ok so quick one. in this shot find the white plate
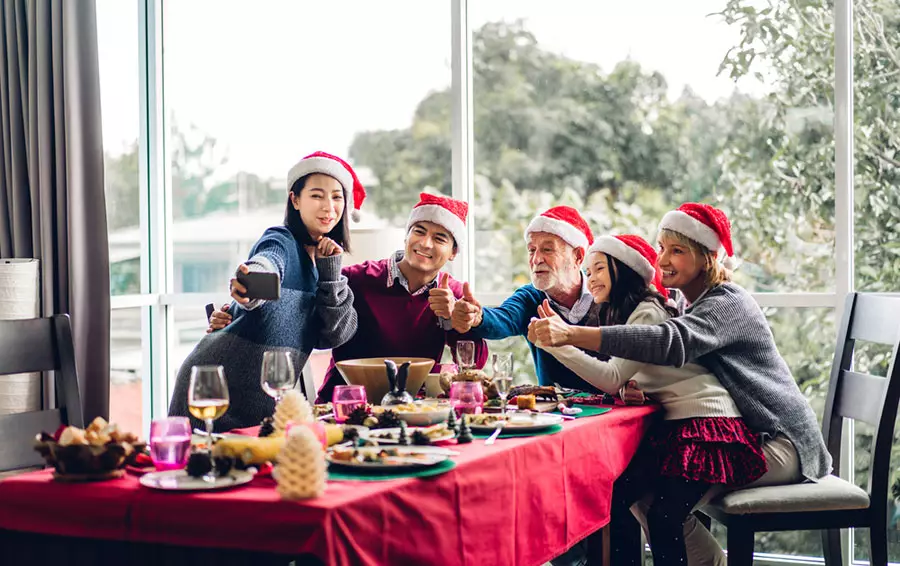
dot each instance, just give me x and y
(530, 422)
(373, 434)
(431, 458)
(179, 480)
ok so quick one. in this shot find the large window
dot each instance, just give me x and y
(624, 110)
(117, 22)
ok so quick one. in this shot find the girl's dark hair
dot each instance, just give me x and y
(628, 290)
(340, 233)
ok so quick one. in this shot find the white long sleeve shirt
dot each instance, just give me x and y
(685, 392)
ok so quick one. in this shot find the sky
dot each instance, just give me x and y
(277, 79)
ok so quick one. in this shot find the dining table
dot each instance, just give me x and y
(518, 501)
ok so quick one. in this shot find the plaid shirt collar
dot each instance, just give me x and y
(581, 307)
(395, 275)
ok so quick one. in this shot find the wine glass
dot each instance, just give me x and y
(465, 354)
(346, 399)
(466, 397)
(208, 400)
(277, 376)
(502, 365)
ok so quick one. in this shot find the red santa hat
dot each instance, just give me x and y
(634, 252)
(705, 224)
(333, 166)
(565, 222)
(444, 211)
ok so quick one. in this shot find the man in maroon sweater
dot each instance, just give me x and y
(403, 303)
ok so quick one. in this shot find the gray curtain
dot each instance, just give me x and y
(52, 203)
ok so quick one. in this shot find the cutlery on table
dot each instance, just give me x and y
(493, 437)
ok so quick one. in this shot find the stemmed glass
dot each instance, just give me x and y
(502, 365)
(465, 354)
(207, 401)
(277, 376)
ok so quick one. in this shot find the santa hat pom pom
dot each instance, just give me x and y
(354, 215)
(731, 263)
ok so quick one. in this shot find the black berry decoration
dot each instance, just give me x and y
(199, 464)
(419, 438)
(267, 427)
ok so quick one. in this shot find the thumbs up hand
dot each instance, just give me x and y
(466, 312)
(441, 299)
(549, 329)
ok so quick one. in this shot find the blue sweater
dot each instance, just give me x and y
(315, 311)
(512, 318)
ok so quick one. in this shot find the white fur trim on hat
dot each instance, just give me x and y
(441, 216)
(325, 166)
(624, 253)
(572, 235)
(685, 224)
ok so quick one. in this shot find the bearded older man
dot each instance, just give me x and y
(557, 240)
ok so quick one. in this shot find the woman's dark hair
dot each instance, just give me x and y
(340, 233)
(628, 290)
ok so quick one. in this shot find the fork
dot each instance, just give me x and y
(493, 437)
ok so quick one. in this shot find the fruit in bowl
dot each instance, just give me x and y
(100, 451)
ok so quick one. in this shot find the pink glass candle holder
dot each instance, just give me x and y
(170, 442)
(467, 397)
(346, 399)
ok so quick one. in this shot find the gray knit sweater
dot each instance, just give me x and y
(726, 332)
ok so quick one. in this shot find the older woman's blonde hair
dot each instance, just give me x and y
(716, 274)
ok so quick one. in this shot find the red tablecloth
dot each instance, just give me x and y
(520, 501)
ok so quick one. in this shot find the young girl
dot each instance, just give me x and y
(702, 442)
(316, 306)
(724, 330)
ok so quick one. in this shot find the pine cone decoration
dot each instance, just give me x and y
(388, 419)
(358, 416)
(267, 427)
(301, 466)
(293, 407)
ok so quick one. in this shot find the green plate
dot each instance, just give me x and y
(368, 474)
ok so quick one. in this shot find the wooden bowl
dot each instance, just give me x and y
(371, 374)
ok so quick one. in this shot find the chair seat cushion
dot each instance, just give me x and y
(828, 494)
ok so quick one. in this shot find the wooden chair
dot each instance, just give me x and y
(38, 344)
(832, 503)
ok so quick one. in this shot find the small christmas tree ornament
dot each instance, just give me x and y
(465, 433)
(451, 422)
(293, 407)
(403, 436)
(301, 466)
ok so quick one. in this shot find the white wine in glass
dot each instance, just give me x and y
(208, 400)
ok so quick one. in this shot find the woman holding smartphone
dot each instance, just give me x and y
(315, 308)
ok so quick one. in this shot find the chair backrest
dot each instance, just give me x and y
(32, 345)
(860, 396)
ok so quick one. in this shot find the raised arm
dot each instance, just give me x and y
(334, 303)
(510, 318)
(716, 321)
(267, 256)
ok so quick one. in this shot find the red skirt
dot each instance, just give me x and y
(715, 450)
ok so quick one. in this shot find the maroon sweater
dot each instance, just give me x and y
(392, 323)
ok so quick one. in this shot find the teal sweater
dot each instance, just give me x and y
(315, 311)
(512, 318)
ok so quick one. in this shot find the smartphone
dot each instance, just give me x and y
(261, 285)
